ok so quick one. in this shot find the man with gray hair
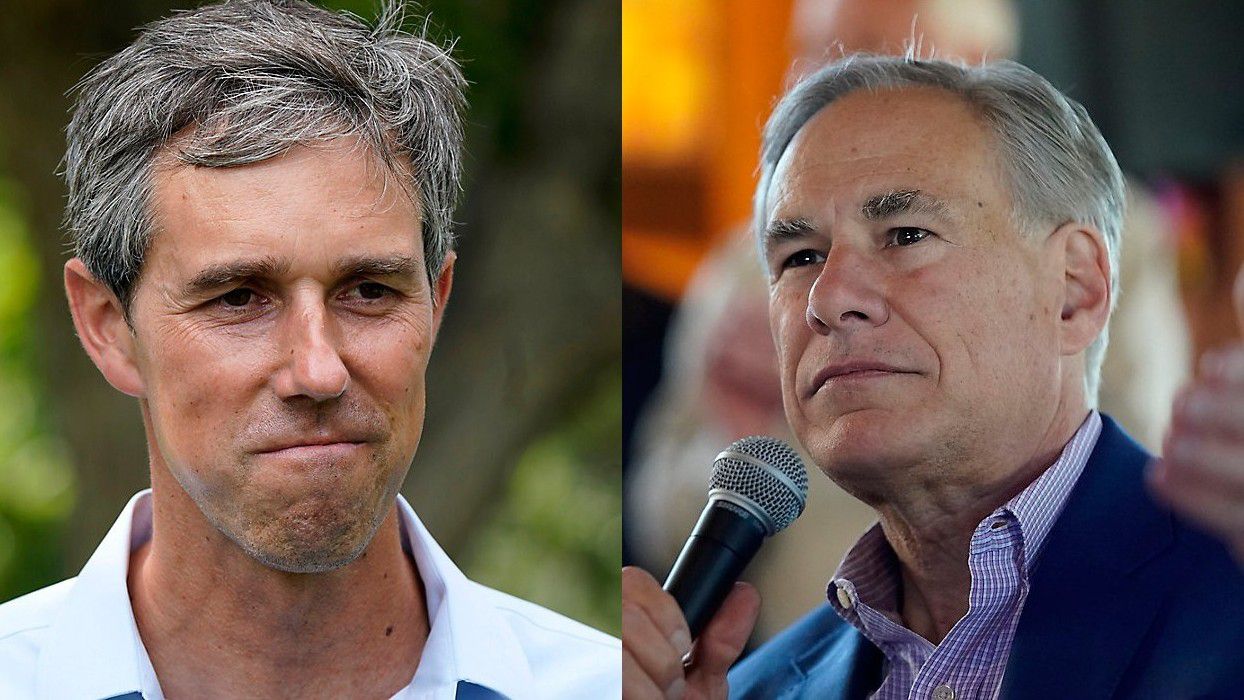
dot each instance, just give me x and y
(260, 195)
(942, 249)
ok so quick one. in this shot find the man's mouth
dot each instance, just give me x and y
(852, 371)
(315, 451)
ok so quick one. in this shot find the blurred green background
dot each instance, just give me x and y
(519, 472)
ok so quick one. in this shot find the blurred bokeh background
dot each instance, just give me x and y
(518, 474)
(1163, 79)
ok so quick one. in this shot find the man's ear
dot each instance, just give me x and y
(440, 292)
(1086, 285)
(102, 328)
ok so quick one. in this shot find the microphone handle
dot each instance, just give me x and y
(724, 540)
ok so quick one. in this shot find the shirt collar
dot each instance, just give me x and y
(869, 572)
(1039, 505)
(484, 648)
(94, 650)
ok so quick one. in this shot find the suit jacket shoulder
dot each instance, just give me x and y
(1136, 601)
(1126, 601)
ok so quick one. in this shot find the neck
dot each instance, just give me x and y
(931, 529)
(217, 623)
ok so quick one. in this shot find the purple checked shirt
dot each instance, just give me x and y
(970, 661)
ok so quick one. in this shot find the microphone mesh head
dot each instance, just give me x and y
(766, 472)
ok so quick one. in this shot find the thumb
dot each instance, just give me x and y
(723, 640)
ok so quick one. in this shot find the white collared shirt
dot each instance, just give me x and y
(77, 640)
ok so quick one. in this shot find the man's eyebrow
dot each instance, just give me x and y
(376, 266)
(223, 274)
(888, 204)
(780, 230)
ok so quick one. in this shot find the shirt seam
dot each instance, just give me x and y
(554, 630)
(23, 630)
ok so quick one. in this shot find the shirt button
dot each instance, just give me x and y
(844, 598)
(998, 525)
(943, 692)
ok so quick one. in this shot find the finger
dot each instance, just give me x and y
(636, 684)
(723, 639)
(641, 589)
(1224, 366)
(1204, 505)
(648, 648)
(1209, 409)
(1206, 461)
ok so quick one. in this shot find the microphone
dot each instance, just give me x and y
(758, 487)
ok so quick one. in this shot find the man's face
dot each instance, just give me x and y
(282, 327)
(914, 324)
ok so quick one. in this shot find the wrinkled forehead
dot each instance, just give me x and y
(868, 143)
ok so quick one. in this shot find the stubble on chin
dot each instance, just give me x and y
(318, 531)
(309, 517)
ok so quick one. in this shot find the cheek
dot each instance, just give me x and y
(391, 367)
(988, 331)
(791, 337)
(785, 323)
(196, 389)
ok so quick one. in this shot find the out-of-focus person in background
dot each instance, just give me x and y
(260, 197)
(719, 382)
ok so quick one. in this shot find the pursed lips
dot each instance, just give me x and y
(314, 445)
(853, 370)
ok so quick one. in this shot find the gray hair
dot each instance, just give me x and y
(243, 81)
(1059, 166)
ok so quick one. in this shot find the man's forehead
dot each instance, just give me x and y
(866, 194)
(869, 144)
(291, 205)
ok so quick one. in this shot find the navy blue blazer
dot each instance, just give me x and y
(1125, 601)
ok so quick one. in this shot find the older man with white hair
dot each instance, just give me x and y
(942, 248)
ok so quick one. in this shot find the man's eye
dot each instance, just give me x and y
(907, 235)
(372, 291)
(807, 256)
(238, 298)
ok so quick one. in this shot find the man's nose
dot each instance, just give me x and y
(313, 365)
(847, 294)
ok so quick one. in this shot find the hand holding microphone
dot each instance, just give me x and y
(758, 487)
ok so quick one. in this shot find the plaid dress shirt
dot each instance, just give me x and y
(970, 661)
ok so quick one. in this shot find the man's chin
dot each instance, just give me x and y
(305, 561)
(859, 442)
(858, 428)
(309, 539)
(306, 555)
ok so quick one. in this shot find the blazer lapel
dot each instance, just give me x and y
(1088, 606)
